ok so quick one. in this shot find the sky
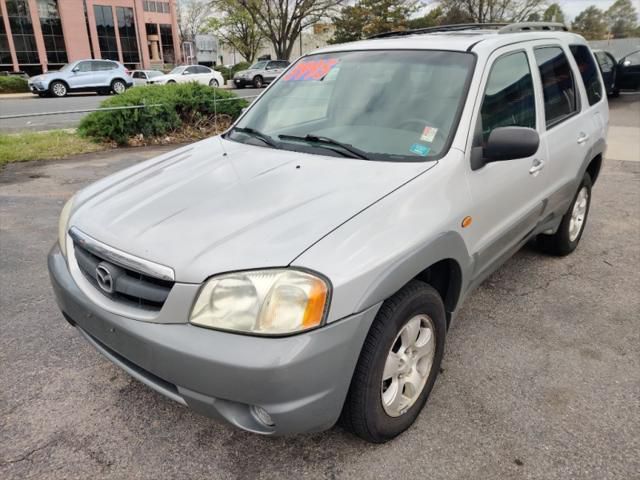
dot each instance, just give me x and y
(571, 8)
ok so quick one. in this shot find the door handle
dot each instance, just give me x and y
(536, 167)
(582, 138)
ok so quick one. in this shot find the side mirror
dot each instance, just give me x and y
(506, 143)
(186, 72)
(75, 69)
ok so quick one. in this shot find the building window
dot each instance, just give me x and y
(5, 53)
(166, 38)
(106, 32)
(52, 31)
(24, 40)
(160, 7)
(128, 38)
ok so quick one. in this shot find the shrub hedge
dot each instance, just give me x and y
(180, 106)
(13, 84)
(228, 73)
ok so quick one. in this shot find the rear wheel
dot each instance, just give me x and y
(213, 83)
(258, 81)
(398, 364)
(118, 87)
(568, 235)
(58, 89)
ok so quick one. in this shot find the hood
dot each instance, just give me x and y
(43, 76)
(218, 206)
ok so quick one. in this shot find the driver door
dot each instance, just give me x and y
(81, 75)
(189, 75)
(508, 196)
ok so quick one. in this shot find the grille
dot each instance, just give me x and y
(128, 286)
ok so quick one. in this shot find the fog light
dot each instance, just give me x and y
(262, 415)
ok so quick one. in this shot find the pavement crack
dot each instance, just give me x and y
(27, 456)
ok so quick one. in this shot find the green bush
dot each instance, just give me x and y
(228, 73)
(13, 84)
(179, 106)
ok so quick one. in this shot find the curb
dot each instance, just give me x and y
(10, 96)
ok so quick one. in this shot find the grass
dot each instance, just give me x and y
(51, 145)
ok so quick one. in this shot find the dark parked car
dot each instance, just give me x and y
(623, 74)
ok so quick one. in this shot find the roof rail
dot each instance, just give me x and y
(441, 28)
(500, 27)
(533, 26)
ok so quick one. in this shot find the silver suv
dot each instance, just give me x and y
(260, 73)
(101, 76)
(305, 265)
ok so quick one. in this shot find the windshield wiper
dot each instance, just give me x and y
(257, 134)
(355, 152)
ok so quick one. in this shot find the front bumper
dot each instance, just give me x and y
(241, 82)
(301, 380)
(38, 87)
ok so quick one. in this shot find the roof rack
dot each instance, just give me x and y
(441, 28)
(500, 27)
(533, 26)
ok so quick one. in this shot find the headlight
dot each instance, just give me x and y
(63, 225)
(263, 302)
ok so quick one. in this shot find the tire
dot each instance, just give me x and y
(58, 89)
(366, 411)
(568, 235)
(258, 82)
(171, 82)
(118, 87)
(214, 83)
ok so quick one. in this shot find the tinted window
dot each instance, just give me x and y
(202, 70)
(190, 70)
(84, 66)
(558, 85)
(509, 99)
(139, 75)
(605, 61)
(588, 72)
(633, 59)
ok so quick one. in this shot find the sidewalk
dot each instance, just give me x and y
(13, 96)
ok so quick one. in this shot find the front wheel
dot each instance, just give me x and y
(568, 235)
(398, 365)
(58, 89)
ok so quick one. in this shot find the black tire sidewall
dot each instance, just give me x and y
(258, 82)
(563, 231)
(423, 301)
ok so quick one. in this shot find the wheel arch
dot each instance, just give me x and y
(61, 80)
(443, 263)
(593, 168)
(113, 80)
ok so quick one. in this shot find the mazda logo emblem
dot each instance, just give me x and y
(104, 278)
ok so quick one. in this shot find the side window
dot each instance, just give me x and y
(509, 99)
(139, 75)
(560, 101)
(190, 71)
(84, 66)
(633, 59)
(588, 72)
(203, 70)
(606, 65)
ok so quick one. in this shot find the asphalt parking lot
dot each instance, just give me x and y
(35, 106)
(541, 375)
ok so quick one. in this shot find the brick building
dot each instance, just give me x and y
(42, 35)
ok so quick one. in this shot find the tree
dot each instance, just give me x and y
(369, 17)
(494, 11)
(553, 13)
(235, 27)
(192, 16)
(431, 19)
(590, 23)
(622, 19)
(282, 21)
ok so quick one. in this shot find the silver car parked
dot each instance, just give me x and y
(260, 73)
(101, 76)
(305, 266)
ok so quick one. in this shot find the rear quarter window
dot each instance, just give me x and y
(588, 72)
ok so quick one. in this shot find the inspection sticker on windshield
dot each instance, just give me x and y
(310, 70)
(428, 134)
(418, 149)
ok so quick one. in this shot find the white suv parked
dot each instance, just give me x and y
(305, 266)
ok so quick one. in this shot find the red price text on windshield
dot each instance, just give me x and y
(310, 70)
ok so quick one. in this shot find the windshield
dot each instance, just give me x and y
(177, 71)
(389, 105)
(258, 66)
